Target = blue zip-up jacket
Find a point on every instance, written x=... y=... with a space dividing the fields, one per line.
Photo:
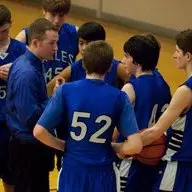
x=26 y=96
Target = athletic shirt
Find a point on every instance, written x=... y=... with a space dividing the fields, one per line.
x=90 y=117
x=152 y=96
x=78 y=72
x=66 y=53
x=14 y=50
x=179 y=147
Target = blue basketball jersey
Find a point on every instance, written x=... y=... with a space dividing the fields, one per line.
x=14 y=50
x=179 y=147
x=152 y=96
x=90 y=117
x=66 y=53
x=78 y=72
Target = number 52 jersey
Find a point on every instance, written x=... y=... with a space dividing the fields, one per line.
x=90 y=109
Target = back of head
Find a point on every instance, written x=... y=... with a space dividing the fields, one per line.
x=57 y=6
x=156 y=44
x=5 y=15
x=144 y=51
x=184 y=41
x=91 y=31
x=98 y=57
x=38 y=29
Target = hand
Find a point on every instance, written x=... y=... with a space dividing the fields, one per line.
x=4 y=71
x=58 y=83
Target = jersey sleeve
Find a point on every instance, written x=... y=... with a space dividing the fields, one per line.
x=127 y=123
x=53 y=114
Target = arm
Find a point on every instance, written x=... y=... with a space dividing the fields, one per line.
x=51 y=118
x=4 y=71
x=65 y=74
x=29 y=109
x=128 y=89
x=128 y=128
x=131 y=146
x=182 y=99
x=47 y=138
x=21 y=37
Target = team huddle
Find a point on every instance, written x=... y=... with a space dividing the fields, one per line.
x=105 y=119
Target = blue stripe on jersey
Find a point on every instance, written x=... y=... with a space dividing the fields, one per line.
x=90 y=116
x=179 y=147
x=14 y=50
x=78 y=72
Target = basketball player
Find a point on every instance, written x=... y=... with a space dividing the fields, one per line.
x=56 y=12
x=175 y=173
x=10 y=50
x=149 y=95
x=89 y=121
x=88 y=32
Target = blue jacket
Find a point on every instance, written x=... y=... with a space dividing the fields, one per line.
x=26 y=96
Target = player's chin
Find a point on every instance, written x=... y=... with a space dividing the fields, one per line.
x=49 y=57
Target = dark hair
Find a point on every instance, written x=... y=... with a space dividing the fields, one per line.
x=38 y=29
x=184 y=41
x=144 y=51
x=156 y=44
x=5 y=15
x=97 y=58
x=91 y=31
x=57 y=6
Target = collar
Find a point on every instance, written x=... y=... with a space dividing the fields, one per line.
x=35 y=61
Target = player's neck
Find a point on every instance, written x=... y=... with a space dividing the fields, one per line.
x=95 y=76
x=188 y=70
x=4 y=44
x=139 y=73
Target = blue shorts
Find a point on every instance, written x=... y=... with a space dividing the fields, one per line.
x=141 y=177
x=137 y=177
x=81 y=178
x=174 y=176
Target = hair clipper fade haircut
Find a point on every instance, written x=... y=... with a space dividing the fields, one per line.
x=184 y=41
x=57 y=6
x=5 y=15
x=38 y=29
x=143 y=50
x=91 y=31
x=98 y=57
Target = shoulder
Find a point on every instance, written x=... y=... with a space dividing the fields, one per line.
x=69 y=28
x=188 y=83
x=17 y=46
x=77 y=64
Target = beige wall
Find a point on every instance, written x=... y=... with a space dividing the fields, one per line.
x=172 y=14
x=91 y=4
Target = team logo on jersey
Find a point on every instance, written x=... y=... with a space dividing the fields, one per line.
x=3 y=55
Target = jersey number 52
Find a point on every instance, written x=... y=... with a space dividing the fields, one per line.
x=83 y=127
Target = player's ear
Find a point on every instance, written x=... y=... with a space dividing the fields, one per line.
x=35 y=42
x=188 y=56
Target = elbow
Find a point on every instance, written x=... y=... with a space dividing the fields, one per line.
x=37 y=132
